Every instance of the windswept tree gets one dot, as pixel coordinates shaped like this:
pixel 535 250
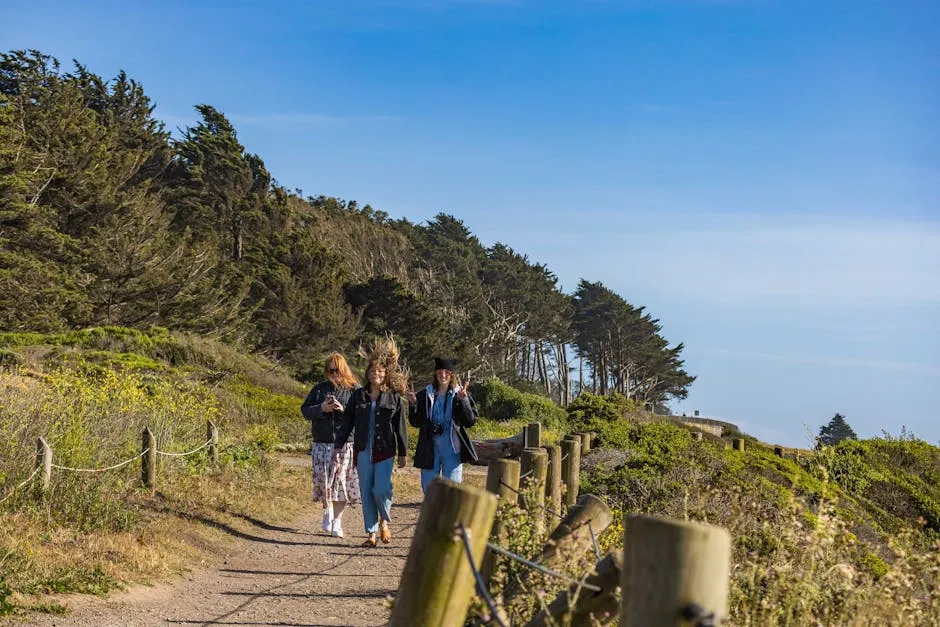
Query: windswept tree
pixel 219 187
pixel 105 219
pixel 624 348
pixel 530 323
pixel 421 328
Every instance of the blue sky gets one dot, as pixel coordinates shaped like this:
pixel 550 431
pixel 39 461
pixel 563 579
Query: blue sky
pixel 763 175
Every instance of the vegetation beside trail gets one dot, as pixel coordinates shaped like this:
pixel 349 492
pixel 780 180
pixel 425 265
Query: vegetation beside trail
pixel 90 394
pixel 844 535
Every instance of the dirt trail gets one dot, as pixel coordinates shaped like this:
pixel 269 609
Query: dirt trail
pixel 294 575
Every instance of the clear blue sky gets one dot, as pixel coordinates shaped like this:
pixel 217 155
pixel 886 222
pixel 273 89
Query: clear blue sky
pixel 763 175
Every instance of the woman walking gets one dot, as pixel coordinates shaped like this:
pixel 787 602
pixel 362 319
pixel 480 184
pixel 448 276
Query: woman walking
pixel 374 411
pixel 442 412
pixel 335 482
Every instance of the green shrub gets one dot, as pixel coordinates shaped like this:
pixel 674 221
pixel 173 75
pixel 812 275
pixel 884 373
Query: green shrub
pixel 261 406
pixel 9 359
pixel 901 477
pixel 6 606
pixel 498 401
pixel 591 412
pixel 875 565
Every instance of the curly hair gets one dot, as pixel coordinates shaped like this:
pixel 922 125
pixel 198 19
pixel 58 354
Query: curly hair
pixel 385 353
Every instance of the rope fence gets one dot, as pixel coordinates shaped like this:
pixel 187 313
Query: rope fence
pixel 187 453
pixel 45 465
pixel 92 470
pixel 28 479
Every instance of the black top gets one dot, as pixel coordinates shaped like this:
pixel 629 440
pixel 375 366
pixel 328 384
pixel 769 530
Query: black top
pixel 391 433
pixel 325 426
pixel 464 416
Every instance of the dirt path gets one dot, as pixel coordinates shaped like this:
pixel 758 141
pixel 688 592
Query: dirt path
pixel 293 575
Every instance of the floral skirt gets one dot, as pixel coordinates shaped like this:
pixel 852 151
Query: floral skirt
pixel 337 481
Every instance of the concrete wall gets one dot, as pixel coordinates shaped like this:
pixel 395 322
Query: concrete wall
pixel 707 425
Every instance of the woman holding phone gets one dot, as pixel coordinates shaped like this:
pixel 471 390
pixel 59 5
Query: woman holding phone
pixel 374 412
pixel 335 481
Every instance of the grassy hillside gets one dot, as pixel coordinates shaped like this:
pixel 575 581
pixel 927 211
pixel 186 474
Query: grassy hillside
pixel 842 536
pixel 89 394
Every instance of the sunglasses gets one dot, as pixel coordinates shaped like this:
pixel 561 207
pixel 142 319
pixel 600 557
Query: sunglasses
pixel 332 370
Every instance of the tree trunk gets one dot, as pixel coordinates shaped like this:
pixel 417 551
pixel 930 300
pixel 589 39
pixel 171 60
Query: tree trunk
pixel 580 373
pixel 543 366
pixel 565 375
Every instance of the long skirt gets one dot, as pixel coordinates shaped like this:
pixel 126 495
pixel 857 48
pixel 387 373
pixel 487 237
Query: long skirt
pixel 334 481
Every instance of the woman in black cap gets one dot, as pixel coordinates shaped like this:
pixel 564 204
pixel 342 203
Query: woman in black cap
pixel 442 412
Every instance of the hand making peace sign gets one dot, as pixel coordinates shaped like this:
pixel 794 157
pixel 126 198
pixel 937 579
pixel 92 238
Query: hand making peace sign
pixel 462 389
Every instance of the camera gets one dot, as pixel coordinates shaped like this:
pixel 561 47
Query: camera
pixel 437 429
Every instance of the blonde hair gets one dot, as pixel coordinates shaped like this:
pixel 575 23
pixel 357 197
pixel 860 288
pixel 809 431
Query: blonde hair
pixel 385 353
pixel 346 378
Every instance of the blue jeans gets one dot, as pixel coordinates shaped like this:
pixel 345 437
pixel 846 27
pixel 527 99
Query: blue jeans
pixel 446 462
pixel 375 484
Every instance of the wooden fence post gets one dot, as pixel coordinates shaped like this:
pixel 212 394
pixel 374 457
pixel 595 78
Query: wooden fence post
pixel 437 581
pixel 212 435
pixel 534 465
pixel 674 573
pixel 737 444
pixel 571 467
pixel 568 543
pixel 606 576
pixel 587 440
pixel 590 515
pixel 778 451
pixel 44 461
pixel 148 463
pixel 533 435
pixel 502 479
pixel 553 479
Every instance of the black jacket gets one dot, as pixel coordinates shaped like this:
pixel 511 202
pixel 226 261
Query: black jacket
pixel 464 416
pixel 391 432
pixel 325 426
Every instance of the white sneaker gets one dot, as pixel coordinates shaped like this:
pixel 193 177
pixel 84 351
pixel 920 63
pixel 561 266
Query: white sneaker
pixel 327 521
pixel 337 529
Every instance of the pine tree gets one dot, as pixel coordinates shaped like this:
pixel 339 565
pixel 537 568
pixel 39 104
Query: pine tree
pixel 836 431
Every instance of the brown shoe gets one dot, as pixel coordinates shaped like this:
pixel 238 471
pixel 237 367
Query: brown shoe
pixel 385 534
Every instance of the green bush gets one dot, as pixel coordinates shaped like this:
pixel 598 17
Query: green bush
pixel 135 349
pixel 6 606
pixel 592 412
pixel 875 565
pixel 498 401
pixel 899 476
